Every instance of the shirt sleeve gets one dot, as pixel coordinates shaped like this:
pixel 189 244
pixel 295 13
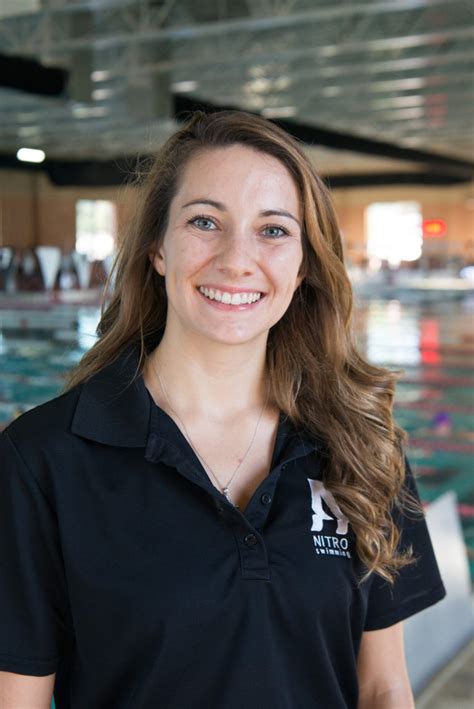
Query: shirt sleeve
pixel 33 599
pixel 418 585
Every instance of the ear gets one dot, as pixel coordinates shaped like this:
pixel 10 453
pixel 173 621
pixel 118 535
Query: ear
pixel 301 273
pixel 157 258
pixel 299 281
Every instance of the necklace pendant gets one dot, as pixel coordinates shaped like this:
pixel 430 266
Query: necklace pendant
pixel 225 490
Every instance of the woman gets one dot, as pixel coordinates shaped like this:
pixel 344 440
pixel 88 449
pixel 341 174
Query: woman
pixel 217 513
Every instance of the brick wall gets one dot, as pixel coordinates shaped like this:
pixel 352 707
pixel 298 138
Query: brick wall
pixel 33 212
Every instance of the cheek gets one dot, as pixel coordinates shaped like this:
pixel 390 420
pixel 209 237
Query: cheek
pixel 287 266
pixel 185 260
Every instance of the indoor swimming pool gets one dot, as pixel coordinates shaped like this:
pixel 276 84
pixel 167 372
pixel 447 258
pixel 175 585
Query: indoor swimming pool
pixel 40 341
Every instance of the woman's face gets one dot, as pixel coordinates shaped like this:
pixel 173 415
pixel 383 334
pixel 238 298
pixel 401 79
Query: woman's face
pixel 232 250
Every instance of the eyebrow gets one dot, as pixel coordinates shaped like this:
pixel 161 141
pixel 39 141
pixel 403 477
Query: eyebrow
pixel 222 208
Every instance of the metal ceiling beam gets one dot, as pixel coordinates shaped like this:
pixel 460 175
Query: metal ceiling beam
pixel 285 17
pixel 253 25
pixel 297 76
pixel 374 118
pixel 339 140
pixel 67 7
pixel 353 58
pixel 197 62
pixel 291 82
pixel 356 93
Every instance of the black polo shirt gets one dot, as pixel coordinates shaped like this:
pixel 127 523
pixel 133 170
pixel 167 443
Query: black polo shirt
pixel 125 571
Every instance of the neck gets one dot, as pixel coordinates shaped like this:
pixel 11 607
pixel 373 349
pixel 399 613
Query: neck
pixel 220 382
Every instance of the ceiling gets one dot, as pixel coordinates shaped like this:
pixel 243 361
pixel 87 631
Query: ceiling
pixel 394 73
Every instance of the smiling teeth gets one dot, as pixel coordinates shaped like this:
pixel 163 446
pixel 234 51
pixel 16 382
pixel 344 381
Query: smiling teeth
pixel 230 298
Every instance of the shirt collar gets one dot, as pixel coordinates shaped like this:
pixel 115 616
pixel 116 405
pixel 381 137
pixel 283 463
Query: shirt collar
pixel 115 408
pixel 114 405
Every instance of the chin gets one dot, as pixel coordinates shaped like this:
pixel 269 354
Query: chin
pixel 235 338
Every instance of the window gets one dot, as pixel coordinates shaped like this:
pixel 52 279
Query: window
pixel 96 228
pixel 394 232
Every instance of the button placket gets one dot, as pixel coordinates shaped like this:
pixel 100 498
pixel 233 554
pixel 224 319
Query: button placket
pixel 250 540
pixel 253 555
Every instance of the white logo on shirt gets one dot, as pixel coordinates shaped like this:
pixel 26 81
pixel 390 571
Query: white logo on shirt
pixel 327 545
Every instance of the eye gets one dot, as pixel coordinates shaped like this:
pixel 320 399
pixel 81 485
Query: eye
pixel 202 222
pixel 274 229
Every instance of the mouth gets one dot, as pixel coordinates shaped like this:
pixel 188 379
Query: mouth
pixel 235 298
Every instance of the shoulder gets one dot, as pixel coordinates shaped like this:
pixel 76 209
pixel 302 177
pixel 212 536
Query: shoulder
pixel 44 423
pixel 110 408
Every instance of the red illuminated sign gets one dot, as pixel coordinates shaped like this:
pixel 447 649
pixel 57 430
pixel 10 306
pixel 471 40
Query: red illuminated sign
pixel 434 227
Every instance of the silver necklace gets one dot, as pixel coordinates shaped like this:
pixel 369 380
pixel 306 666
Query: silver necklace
pixel 225 489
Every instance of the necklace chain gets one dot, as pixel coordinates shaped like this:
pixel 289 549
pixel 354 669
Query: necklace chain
pixel 225 489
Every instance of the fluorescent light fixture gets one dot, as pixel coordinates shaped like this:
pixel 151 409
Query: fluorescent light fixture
pixel 258 86
pixel 265 85
pixel 99 75
pixel 84 111
pixel 279 112
pixel 329 91
pixel 30 155
pixel 398 102
pixel 101 94
pixel 182 87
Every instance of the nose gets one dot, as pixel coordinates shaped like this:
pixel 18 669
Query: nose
pixel 236 255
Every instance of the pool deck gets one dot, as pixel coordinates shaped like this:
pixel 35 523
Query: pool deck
pixel 453 687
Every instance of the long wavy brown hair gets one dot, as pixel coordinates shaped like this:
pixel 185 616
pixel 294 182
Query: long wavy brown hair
pixel 317 376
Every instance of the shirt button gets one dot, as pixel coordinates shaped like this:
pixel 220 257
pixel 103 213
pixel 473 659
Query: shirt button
pixel 266 498
pixel 250 540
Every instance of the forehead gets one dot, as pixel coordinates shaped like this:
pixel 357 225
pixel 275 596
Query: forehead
pixel 238 169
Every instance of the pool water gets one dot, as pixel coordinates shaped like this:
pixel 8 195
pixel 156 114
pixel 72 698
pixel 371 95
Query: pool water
pixel 433 344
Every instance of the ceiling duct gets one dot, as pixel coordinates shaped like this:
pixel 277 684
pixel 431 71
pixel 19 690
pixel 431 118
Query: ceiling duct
pixel 30 76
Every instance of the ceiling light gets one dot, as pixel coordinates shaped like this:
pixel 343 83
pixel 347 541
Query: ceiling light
pixel 30 155
pixel 182 87
pixel 402 113
pixel 84 111
pixel 398 84
pixel 398 101
pixel 100 75
pixel 331 91
pixel 101 94
pixel 279 112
